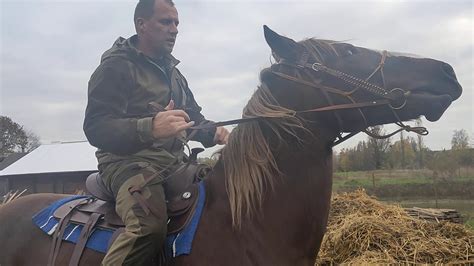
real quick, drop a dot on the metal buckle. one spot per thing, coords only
(317, 66)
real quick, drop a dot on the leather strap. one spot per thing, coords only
(59, 233)
(57, 239)
(321, 109)
(83, 237)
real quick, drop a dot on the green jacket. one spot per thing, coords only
(118, 119)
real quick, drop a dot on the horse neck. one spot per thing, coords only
(301, 200)
(293, 215)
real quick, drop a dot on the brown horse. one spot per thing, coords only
(268, 196)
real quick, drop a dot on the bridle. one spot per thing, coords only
(395, 98)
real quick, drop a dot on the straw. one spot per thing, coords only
(362, 230)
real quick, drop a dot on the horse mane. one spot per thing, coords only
(249, 164)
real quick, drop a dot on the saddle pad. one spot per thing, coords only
(45, 220)
(176, 244)
(180, 243)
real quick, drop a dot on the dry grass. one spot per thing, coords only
(363, 230)
(11, 196)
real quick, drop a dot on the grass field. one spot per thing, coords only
(367, 179)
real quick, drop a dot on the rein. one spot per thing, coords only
(395, 99)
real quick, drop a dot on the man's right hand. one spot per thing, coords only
(171, 122)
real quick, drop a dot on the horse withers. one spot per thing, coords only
(267, 198)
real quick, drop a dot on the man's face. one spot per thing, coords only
(159, 32)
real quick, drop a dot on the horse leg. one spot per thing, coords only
(25, 244)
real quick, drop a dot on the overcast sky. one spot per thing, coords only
(49, 49)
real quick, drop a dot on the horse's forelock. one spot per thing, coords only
(320, 49)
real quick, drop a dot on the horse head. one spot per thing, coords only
(315, 91)
(357, 86)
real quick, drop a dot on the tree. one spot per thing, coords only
(401, 154)
(343, 159)
(460, 140)
(420, 149)
(402, 150)
(443, 164)
(33, 141)
(377, 148)
(14, 138)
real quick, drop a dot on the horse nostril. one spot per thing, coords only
(448, 70)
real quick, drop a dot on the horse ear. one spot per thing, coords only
(282, 46)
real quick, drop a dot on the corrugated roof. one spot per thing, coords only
(57, 157)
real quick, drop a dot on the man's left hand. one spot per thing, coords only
(221, 136)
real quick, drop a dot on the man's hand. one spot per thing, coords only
(221, 136)
(171, 122)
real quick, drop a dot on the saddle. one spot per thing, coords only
(181, 191)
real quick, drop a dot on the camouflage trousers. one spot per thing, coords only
(144, 234)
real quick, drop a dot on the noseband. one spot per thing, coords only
(395, 99)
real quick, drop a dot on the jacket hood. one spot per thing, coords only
(122, 48)
(126, 48)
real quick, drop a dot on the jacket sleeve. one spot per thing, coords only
(205, 136)
(106, 124)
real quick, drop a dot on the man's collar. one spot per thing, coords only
(168, 59)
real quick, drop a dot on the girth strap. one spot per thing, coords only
(83, 237)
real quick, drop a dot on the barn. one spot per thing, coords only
(60, 167)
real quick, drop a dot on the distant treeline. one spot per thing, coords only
(405, 153)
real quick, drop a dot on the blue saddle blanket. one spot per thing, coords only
(176, 244)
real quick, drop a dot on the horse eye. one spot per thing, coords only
(350, 51)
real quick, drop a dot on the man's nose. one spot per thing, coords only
(174, 28)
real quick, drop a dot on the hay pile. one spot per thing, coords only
(363, 230)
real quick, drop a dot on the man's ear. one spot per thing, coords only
(282, 46)
(140, 25)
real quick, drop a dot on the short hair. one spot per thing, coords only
(145, 8)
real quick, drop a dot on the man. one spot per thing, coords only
(139, 147)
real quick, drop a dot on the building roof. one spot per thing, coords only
(56, 157)
(11, 158)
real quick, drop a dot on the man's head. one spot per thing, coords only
(156, 23)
